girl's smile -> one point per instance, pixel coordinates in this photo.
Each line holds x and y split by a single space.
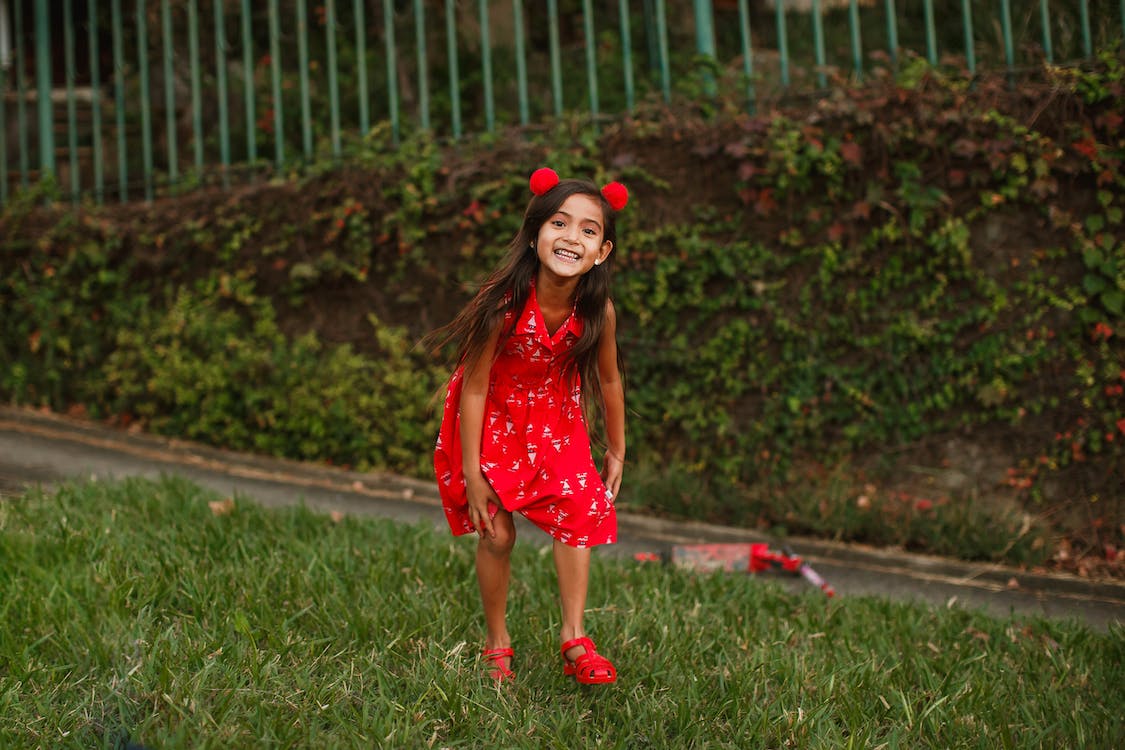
572 242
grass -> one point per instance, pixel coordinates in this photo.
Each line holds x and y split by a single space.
134 612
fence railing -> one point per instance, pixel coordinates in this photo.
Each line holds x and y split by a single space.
120 100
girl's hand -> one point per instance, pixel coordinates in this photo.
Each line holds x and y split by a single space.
480 494
612 468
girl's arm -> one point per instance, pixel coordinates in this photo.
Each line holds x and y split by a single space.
613 399
474 390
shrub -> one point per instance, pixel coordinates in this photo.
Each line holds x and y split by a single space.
225 374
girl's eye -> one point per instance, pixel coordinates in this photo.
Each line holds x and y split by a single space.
590 231
557 222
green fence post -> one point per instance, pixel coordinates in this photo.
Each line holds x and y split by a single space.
275 87
43 87
857 43
521 61
818 42
333 84
705 39
556 65
166 42
892 31
423 70
662 45
248 82
71 112
747 53
1006 26
486 64
454 71
303 64
591 57
196 86
627 52
392 67
95 103
3 137
1045 21
931 32
361 67
782 42
119 101
704 27
146 100
221 85
662 32
970 45
1084 15
21 100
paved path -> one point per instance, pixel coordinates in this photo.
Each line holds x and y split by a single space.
37 448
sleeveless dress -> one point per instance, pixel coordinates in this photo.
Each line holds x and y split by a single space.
535 447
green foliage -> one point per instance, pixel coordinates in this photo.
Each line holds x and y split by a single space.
211 371
61 297
143 615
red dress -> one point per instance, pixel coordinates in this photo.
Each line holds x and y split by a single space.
535 448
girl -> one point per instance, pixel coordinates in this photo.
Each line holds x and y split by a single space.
537 343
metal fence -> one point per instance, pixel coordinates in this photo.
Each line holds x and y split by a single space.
119 100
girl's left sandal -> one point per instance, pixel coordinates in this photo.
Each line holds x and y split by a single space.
495 658
590 668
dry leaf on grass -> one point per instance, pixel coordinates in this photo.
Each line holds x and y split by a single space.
222 507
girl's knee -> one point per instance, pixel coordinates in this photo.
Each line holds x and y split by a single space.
504 535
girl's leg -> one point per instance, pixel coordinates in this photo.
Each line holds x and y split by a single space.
494 568
573 568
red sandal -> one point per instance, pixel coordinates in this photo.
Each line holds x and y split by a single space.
495 658
590 668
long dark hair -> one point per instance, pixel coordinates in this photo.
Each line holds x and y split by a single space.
507 288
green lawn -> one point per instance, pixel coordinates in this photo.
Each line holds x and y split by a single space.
133 611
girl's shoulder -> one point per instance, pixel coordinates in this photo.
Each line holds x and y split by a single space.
610 314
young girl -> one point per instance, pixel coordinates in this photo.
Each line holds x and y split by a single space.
537 343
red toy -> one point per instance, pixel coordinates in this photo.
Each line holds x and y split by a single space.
752 558
763 558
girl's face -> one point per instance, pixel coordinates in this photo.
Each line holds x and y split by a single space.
571 241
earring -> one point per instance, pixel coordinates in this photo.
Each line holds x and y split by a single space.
598 262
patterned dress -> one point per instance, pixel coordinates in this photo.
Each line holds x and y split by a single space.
535 448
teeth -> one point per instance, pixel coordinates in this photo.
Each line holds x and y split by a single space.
567 254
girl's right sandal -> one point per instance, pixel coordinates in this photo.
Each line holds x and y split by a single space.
590 668
495 658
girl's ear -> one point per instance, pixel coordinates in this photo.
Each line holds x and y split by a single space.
607 248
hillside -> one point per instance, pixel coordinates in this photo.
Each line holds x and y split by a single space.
891 315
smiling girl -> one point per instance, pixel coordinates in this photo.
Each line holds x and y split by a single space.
537 343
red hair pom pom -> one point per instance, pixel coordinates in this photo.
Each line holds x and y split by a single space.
543 179
616 194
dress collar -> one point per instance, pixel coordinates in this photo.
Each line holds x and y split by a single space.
531 323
